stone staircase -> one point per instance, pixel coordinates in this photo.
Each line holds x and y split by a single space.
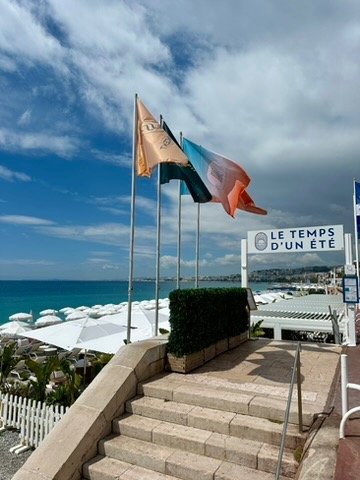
180 429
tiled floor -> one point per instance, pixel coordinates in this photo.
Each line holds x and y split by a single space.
265 367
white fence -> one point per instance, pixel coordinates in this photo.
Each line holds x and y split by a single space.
33 419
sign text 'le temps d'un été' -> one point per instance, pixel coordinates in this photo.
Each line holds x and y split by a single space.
303 239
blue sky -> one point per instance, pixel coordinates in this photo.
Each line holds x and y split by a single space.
272 85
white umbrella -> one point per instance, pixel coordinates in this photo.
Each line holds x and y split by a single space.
75 333
76 315
48 311
13 328
163 318
21 316
108 343
66 310
142 320
47 320
142 326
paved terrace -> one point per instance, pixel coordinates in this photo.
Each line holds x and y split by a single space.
265 367
261 369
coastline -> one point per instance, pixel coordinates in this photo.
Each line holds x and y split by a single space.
37 295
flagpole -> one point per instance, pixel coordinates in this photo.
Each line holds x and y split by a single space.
158 223
179 238
197 249
132 225
179 229
356 231
157 282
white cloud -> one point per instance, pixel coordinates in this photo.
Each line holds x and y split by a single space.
119 160
311 259
275 89
24 220
108 234
25 117
10 175
24 262
111 29
23 37
168 261
113 211
64 146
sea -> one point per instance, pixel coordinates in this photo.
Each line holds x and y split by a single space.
35 296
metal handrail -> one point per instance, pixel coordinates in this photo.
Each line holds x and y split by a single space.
296 369
345 386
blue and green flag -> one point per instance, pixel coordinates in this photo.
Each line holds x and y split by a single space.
186 173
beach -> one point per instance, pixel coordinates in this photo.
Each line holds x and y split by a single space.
35 296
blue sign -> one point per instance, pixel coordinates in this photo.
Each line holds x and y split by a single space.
350 289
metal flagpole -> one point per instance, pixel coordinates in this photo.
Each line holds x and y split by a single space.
179 230
158 222
356 233
179 238
197 248
132 225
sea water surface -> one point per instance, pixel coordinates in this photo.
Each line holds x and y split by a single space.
35 296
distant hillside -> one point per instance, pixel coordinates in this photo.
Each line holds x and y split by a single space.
312 274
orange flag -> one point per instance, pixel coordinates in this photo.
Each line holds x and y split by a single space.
225 179
247 203
154 145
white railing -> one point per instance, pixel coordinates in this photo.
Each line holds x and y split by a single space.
33 419
295 371
345 386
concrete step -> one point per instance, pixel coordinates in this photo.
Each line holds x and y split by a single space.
254 404
105 468
235 424
177 440
220 383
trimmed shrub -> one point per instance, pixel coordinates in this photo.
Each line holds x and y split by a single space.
201 317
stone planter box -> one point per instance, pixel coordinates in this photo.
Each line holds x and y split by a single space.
187 363
209 353
238 340
222 346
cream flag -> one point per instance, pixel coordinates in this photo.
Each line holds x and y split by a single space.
154 145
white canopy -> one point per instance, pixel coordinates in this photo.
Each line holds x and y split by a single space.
105 334
21 316
13 328
47 320
48 311
74 334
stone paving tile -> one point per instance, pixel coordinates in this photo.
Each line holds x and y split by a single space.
270 363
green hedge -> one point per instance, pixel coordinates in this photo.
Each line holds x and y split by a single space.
200 317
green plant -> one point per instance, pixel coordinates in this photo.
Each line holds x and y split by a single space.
203 316
19 388
256 330
99 362
73 380
8 362
298 453
42 373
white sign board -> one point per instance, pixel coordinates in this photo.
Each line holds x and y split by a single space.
349 269
303 239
